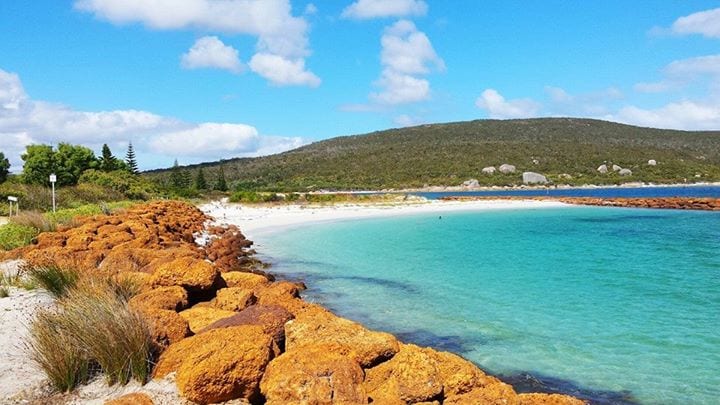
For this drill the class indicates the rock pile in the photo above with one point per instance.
(230, 332)
(701, 204)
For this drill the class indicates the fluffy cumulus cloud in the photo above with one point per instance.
(686, 114)
(680, 73)
(407, 55)
(367, 9)
(498, 107)
(706, 23)
(211, 52)
(25, 121)
(282, 71)
(279, 33)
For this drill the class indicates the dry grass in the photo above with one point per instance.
(35, 219)
(95, 326)
(4, 292)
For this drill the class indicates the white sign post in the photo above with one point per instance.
(53, 179)
(12, 200)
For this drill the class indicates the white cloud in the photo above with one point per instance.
(706, 23)
(405, 120)
(25, 121)
(584, 104)
(406, 55)
(686, 115)
(279, 33)
(211, 52)
(680, 73)
(367, 9)
(282, 71)
(310, 9)
(497, 107)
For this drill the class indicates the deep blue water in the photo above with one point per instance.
(616, 305)
(611, 192)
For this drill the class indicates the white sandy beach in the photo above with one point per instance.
(256, 220)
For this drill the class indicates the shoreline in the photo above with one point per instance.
(261, 221)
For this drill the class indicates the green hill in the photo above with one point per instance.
(448, 154)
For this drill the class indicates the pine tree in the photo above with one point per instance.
(221, 183)
(200, 182)
(108, 162)
(177, 178)
(131, 161)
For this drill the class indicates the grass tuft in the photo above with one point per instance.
(96, 325)
(55, 279)
(4, 292)
(34, 219)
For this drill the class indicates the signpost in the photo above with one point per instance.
(12, 200)
(53, 179)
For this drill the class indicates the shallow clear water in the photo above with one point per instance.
(617, 305)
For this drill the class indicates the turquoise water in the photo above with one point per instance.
(617, 305)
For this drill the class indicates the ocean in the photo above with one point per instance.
(619, 306)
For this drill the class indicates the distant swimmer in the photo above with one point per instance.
(440, 217)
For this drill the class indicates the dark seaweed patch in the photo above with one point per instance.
(534, 382)
(450, 343)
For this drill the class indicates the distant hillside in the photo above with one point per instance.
(448, 154)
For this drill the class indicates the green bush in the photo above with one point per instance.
(13, 236)
(254, 197)
(130, 185)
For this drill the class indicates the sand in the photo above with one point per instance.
(256, 221)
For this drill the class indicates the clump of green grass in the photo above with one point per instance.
(98, 333)
(55, 279)
(4, 292)
(52, 347)
(13, 236)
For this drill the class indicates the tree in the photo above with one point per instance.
(177, 177)
(131, 161)
(108, 162)
(39, 164)
(221, 184)
(4, 167)
(71, 161)
(200, 182)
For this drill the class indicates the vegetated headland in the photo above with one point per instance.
(137, 298)
(568, 151)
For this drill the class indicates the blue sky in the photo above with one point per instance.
(201, 80)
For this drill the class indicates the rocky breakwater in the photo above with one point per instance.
(228, 331)
(675, 203)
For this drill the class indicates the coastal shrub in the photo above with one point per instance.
(13, 236)
(254, 197)
(55, 279)
(53, 348)
(93, 330)
(122, 181)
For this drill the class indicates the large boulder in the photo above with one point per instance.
(548, 399)
(472, 183)
(316, 374)
(411, 376)
(219, 365)
(233, 299)
(174, 298)
(652, 162)
(507, 169)
(271, 318)
(602, 169)
(200, 316)
(534, 178)
(489, 170)
(625, 172)
(616, 168)
(135, 398)
(166, 326)
(317, 327)
(241, 279)
(188, 272)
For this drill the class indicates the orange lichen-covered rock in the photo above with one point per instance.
(219, 365)
(233, 299)
(174, 298)
(548, 399)
(498, 393)
(276, 292)
(47, 239)
(188, 272)
(124, 259)
(135, 398)
(272, 319)
(411, 376)
(459, 375)
(316, 374)
(317, 327)
(167, 326)
(199, 317)
(241, 279)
